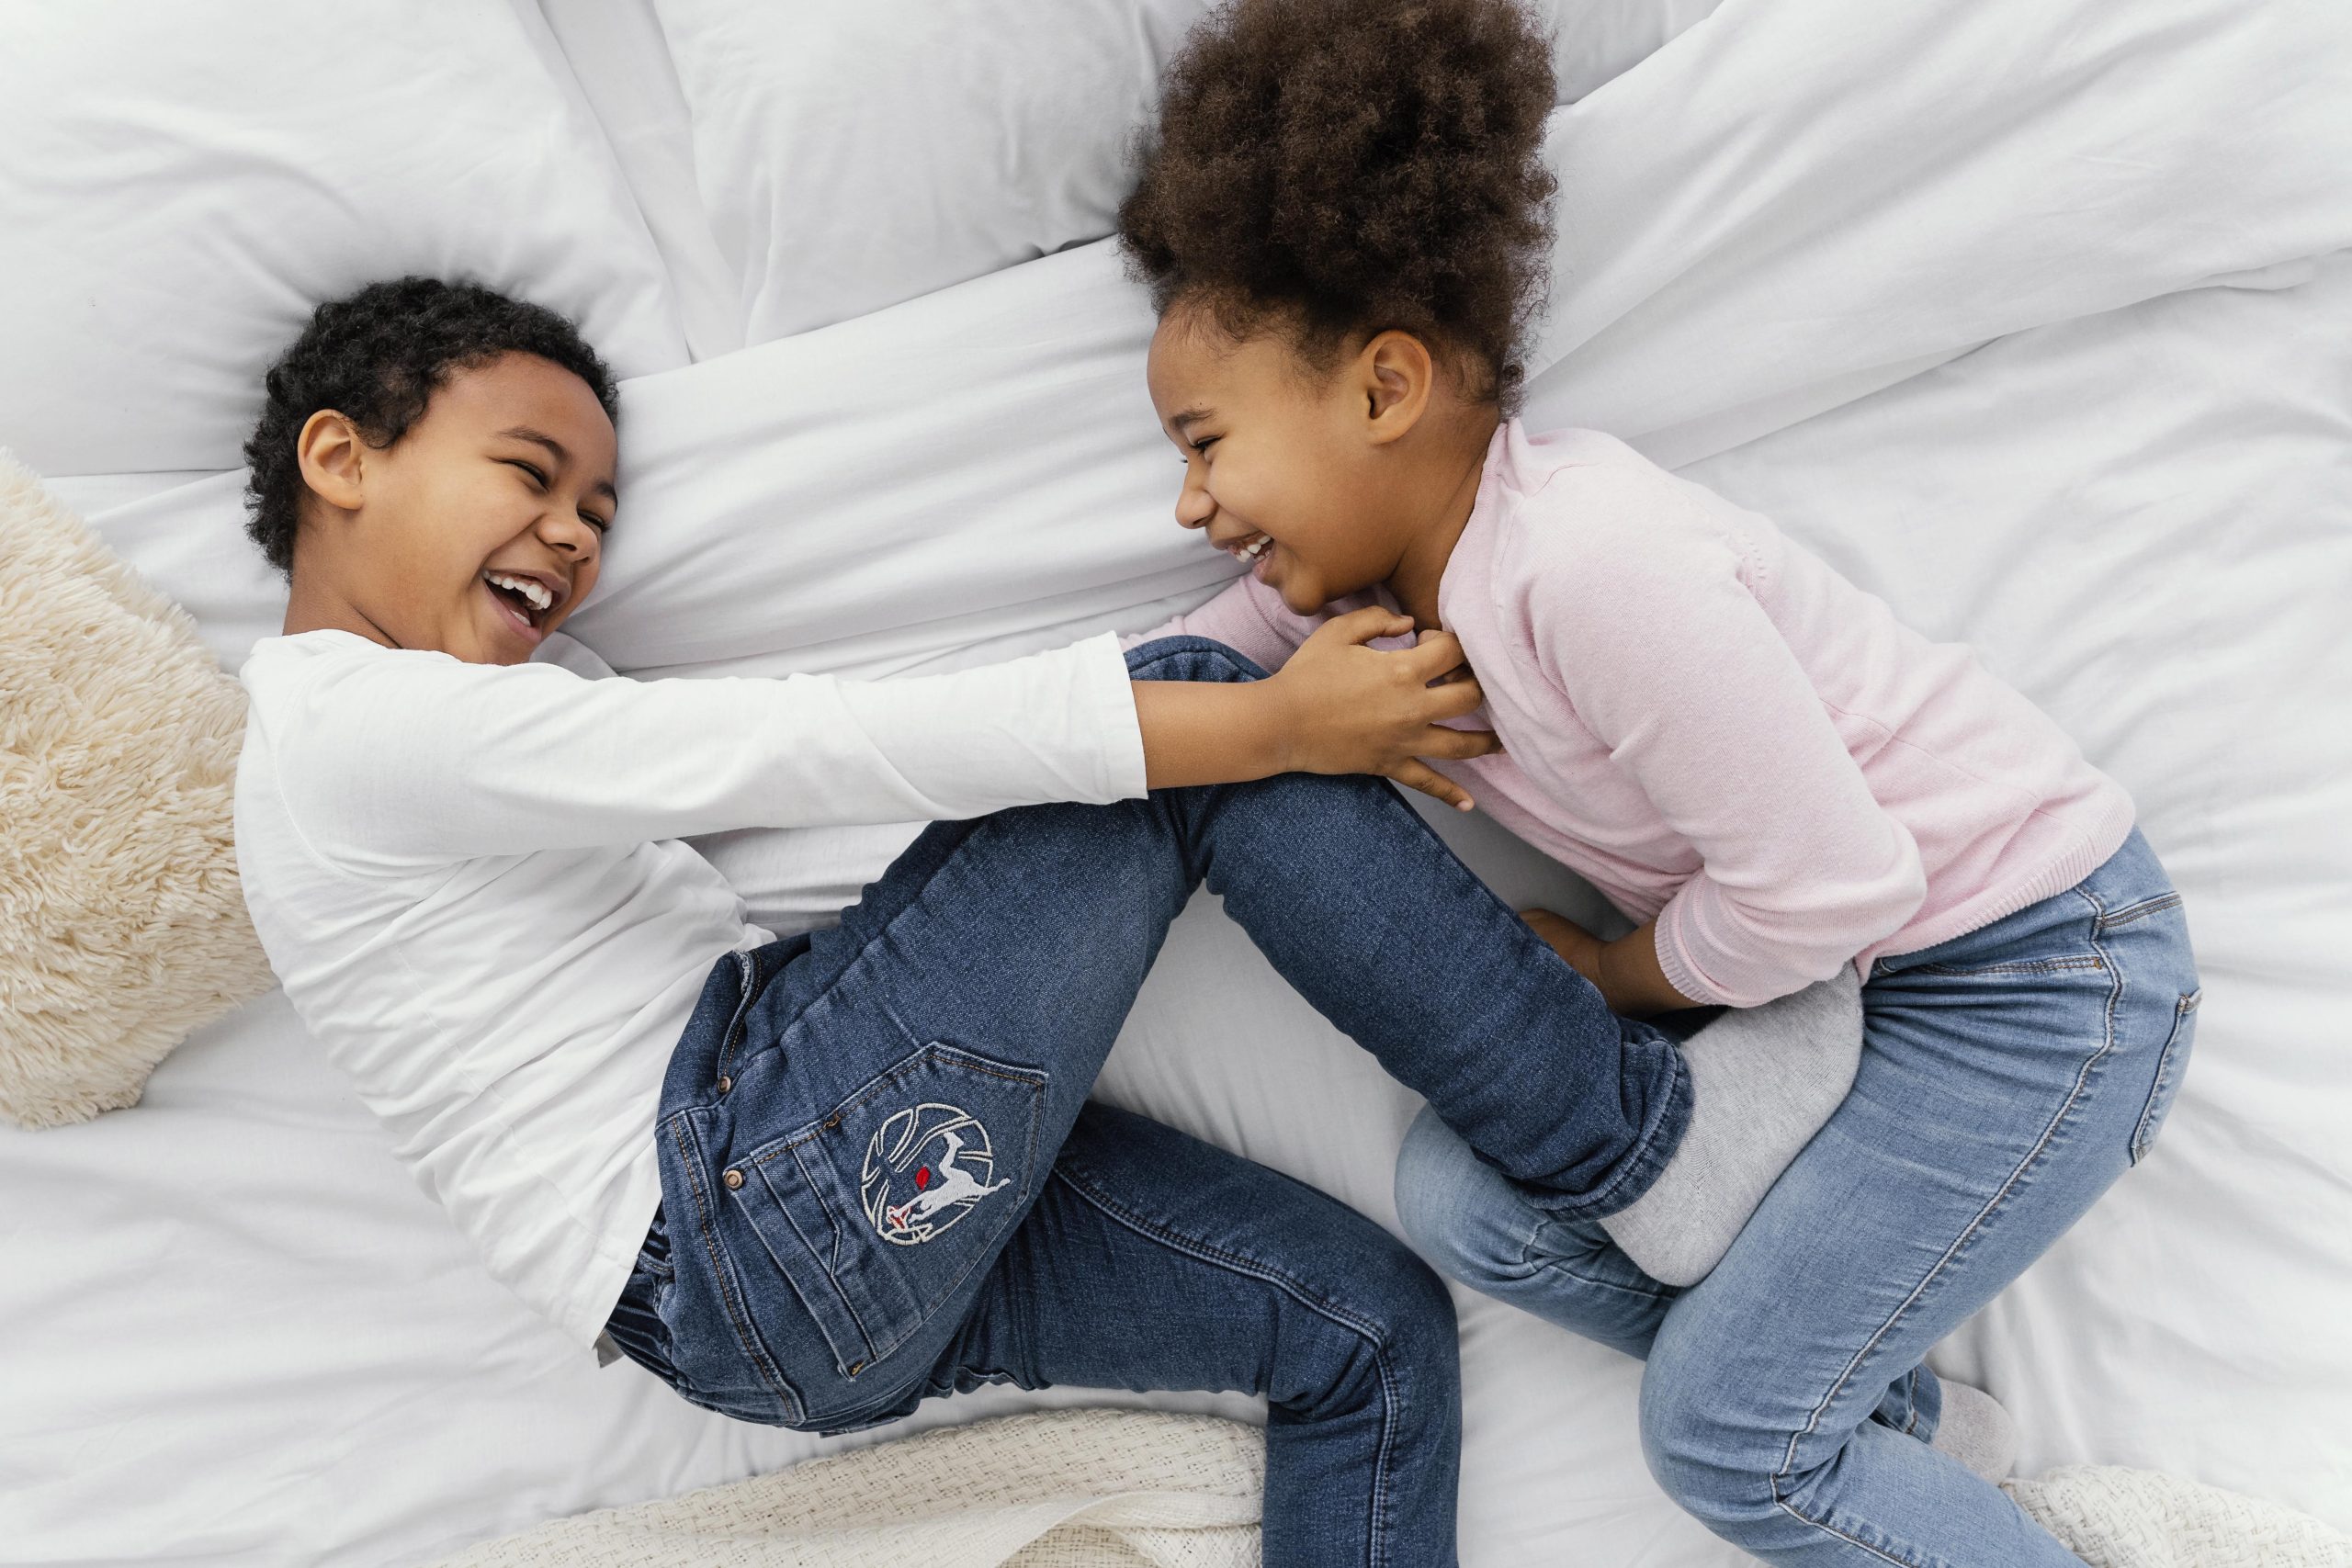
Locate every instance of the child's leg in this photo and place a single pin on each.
(1480, 1227)
(1155, 1261)
(901, 1086)
(2010, 1075)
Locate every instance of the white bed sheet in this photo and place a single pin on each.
(236, 1334)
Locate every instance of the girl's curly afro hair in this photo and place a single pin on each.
(1343, 167)
(377, 358)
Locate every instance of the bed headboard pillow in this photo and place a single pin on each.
(121, 922)
(853, 157)
(185, 181)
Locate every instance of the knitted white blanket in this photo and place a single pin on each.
(1062, 1489)
(1124, 1489)
(2113, 1518)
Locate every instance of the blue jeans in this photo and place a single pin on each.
(882, 1180)
(2009, 1076)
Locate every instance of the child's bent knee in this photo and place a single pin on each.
(1442, 1193)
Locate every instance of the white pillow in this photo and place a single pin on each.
(854, 155)
(184, 181)
(1594, 42)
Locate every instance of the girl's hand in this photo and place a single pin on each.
(1569, 939)
(1353, 710)
(1626, 971)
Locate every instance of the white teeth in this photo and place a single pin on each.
(1257, 545)
(529, 587)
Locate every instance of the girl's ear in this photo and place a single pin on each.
(1396, 376)
(333, 456)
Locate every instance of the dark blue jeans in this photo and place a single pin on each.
(882, 1178)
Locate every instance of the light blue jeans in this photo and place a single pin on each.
(2008, 1076)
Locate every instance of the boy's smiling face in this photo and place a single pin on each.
(508, 473)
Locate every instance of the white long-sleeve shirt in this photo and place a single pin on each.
(468, 878)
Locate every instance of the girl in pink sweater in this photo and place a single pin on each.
(1343, 215)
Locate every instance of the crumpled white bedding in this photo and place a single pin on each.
(2032, 317)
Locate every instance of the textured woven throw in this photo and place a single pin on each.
(1063, 1489)
(1129, 1489)
(2112, 1518)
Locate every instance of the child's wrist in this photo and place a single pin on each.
(1276, 725)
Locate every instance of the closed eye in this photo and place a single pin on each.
(538, 476)
(594, 522)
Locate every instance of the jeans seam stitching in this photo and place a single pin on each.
(869, 1091)
(2167, 1066)
(1529, 1265)
(1968, 1232)
(1826, 1528)
(736, 1315)
(2156, 904)
(1208, 1253)
(874, 1350)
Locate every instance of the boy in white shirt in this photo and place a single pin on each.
(809, 1181)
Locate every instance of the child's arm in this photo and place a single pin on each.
(1626, 972)
(393, 763)
(1335, 706)
(1644, 624)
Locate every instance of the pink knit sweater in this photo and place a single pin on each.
(1713, 727)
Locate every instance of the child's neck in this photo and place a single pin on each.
(1455, 471)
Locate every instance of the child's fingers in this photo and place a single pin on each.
(1455, 698)
(1457, 745)
(1436, 653)
(1372, 621)
(1430, 781)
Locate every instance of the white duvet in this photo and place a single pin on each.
(2033, 318)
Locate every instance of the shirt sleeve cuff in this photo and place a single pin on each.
(1103, 698)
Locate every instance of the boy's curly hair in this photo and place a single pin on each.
(1347, 166)
(377, 356)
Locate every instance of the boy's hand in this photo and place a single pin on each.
(1352, 709)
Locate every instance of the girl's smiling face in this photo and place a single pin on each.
(508, 474)
(1283, 461)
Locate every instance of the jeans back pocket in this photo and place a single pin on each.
(2169, 1069)
(881, 1212)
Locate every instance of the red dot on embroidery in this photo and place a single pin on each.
(922, 1177)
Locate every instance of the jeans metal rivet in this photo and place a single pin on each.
(856, 1367)
(734, 1178)
(725, 1083)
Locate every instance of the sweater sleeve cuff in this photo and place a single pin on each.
(1680, 972)
(1103, 698)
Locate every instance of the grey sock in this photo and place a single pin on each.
(1976, 1431)
(1763, 1079)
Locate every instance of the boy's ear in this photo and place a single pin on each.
(1396, 377)
(333, 458)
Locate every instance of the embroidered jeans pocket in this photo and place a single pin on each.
(881, 1212)
(2169, 1068)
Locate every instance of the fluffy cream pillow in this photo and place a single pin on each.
(121, 923)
